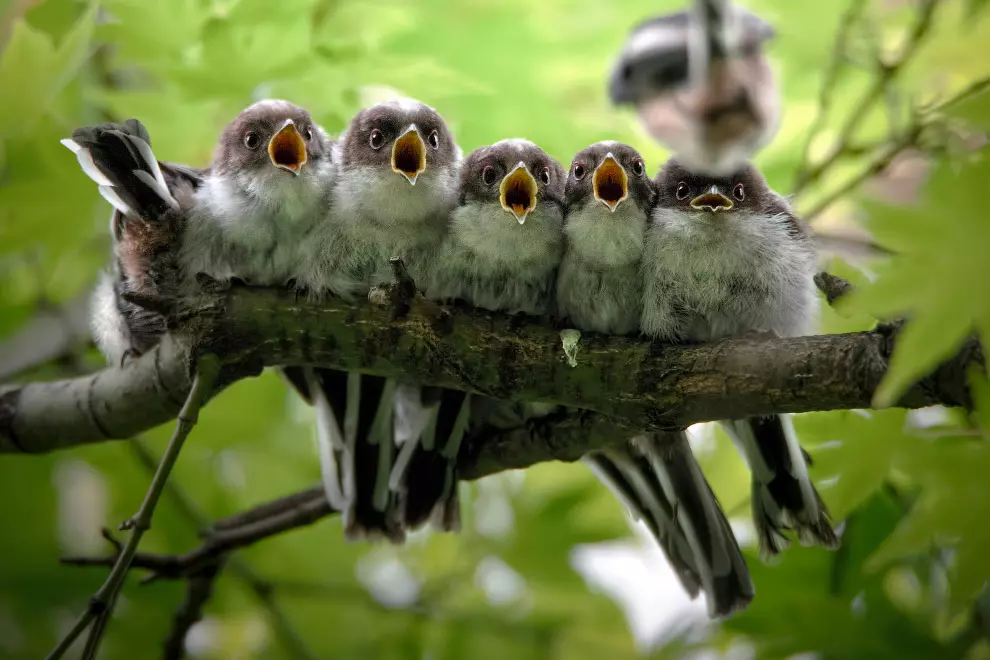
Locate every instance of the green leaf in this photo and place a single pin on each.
(940, 255)
(33, 71)
(974, 109)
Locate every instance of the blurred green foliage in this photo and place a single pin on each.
(911, 488)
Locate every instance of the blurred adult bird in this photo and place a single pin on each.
(701, 85)
(599, 288)
(726, 257)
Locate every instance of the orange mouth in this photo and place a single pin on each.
(517, 192)
(409, 155)
(611, 183)
(287, 149)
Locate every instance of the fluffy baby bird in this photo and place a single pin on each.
(268, 187)
(398, 167)
(505, 237)
(726, 257)
(151, 201)
(245, 216)
(599, 288)
(500, 253)
(397, 181)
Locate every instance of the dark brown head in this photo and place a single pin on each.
(610, 174)
(273, 138)
(515, 174)
(744, 190)
(404, 136)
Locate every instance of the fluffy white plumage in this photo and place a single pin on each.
(107, 324)
(599, 286)
(254, 225)
(733, 273)
(492, 261)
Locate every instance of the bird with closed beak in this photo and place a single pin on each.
(701, 85)
(397, 180)
(727, 257)
(599, 288)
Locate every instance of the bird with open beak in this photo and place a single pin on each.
(505, 237)
(608, 198)
(501, 253)
(150, 201)
(396, 185)
(726, 257)
(701, 84)
(267, 189)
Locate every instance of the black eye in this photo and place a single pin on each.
(682, 190)
(638, 167)
(739, 192)
(377, 139)
(545, 175)
(488, 175)
(308, 133)
(251, 140)
(434, 140)
(579, 171)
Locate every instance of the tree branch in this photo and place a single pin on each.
(629, 383)
(102, 602)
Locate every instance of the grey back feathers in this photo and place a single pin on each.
(488, 257)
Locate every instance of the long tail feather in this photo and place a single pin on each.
(658, 478)
(784, 498)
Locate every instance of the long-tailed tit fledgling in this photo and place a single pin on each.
(501, 253)
(396, 184)
(726, 257)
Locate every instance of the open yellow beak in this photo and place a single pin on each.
(409, 154)
(611, 183)
(517, 192)
(713, 200)
(287, 149)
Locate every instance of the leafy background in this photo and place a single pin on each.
(548, 566)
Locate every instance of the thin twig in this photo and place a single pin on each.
(887, 73)
(831, 79)
(883, 159)
(262, 522)
(268, 509)
(199, 590)
(178, 566)
(101, 604)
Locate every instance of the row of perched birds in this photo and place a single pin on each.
(599, 245)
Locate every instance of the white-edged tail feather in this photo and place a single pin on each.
(151, 163)
(330, 444)
(108, 193)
